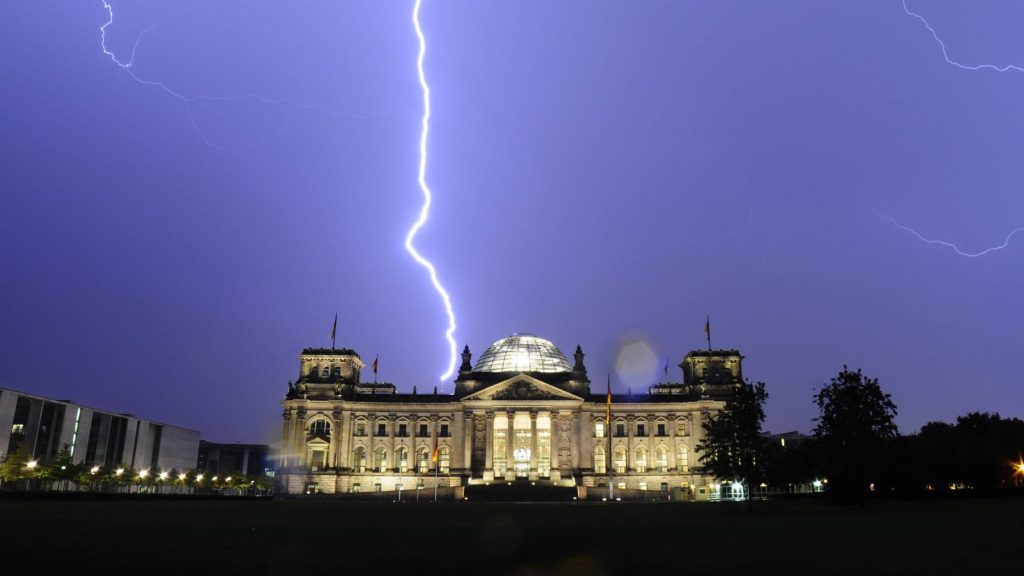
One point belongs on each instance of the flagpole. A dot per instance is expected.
(608, 431)
(436, 466)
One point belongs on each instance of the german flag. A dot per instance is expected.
(433, 458)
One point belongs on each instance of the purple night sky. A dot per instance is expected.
(604, 173)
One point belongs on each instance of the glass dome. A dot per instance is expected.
(522, 353)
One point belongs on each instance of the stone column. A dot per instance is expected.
(286, 438)
(467, 440)
(577, 445)
(345, 440)
(334, 456)
(554, 440)
(630, 446)
(510, 435)
(299, 437)
(489, 443)
(533, 441)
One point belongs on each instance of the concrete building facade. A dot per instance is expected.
(95, 437)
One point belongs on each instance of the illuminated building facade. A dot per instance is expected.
(521, 413)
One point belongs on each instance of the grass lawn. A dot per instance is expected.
(188, 537)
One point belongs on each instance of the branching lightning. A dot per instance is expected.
(950, 61)
(425, 210)
(945, 53)
(128, 67)
(950, 245)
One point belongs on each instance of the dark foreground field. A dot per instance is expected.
(188, 537)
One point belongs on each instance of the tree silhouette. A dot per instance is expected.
(855, 420)
(733, 446)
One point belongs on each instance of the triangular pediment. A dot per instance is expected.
(522, 387)
(317, 441)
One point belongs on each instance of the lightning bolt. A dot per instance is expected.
(425, 210)
(945, 53)
(128, 67)
(950, 245)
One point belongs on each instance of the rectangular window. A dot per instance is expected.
(423, 431)
(360, 429)
(641, 430)
(661, 430)
(621, 485)
(317, 462)
(444, 430)
(620, 430)
(643, 485)
(382, 429)
(402, 433)
(377, 487)
(355, 488)
(599, 429)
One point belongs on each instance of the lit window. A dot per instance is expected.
(355, 488)
(641, 460)
(619, 462)
(444, 460)
(320, 428)
(423, 461)
(403, 460)
(317, 461)
(380, 459)
(643, 485)
(359, 459)
(600, 464)
(683, 458)
(599, 429)
(661, 459)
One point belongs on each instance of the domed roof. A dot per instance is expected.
(522, 353)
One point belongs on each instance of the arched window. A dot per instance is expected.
(380, 459)
(641, 459)
(359, 459)
(444, 459)
(314, 370)
(619, 460)
(661, 459)
(683, 458)
(336, 371)
(320, 428)
(402, 455)
(600, 460)
(326, 372)
(423, 461)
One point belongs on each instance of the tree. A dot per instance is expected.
(855, 420)
(15, 465)
(62, 470)
(734, 447)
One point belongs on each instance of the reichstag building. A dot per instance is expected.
(522, 414)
